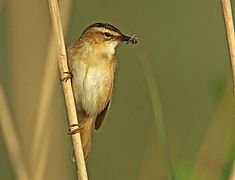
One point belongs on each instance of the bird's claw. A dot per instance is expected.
(67, 77)
(76, 130)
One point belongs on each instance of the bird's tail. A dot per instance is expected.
(86, 133)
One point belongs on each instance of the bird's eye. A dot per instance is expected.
(107, 35)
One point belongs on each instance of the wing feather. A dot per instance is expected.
(101, 116)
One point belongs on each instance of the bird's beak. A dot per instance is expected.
(128, 39)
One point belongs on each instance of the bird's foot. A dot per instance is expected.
(78, 128)
(68, 76)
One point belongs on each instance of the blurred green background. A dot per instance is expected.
(172, 115)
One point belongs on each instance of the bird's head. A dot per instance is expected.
(105, 35)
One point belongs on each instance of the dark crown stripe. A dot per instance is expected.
(106, 26)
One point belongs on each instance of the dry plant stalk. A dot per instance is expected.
(232, 175)
(42, 136)
(68, 93)
(228, 18)
(11, 139)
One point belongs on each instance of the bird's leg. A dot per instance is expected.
(67, 77)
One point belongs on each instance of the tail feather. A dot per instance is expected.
(86, 134)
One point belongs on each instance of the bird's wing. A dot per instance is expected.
(101, 116)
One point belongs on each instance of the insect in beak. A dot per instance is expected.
(127, 39)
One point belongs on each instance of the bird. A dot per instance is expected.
(92, 64)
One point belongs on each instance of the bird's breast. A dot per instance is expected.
(92, 85)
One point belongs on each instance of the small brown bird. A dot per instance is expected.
(92, 66)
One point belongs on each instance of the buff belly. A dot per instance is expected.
(92, 87)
